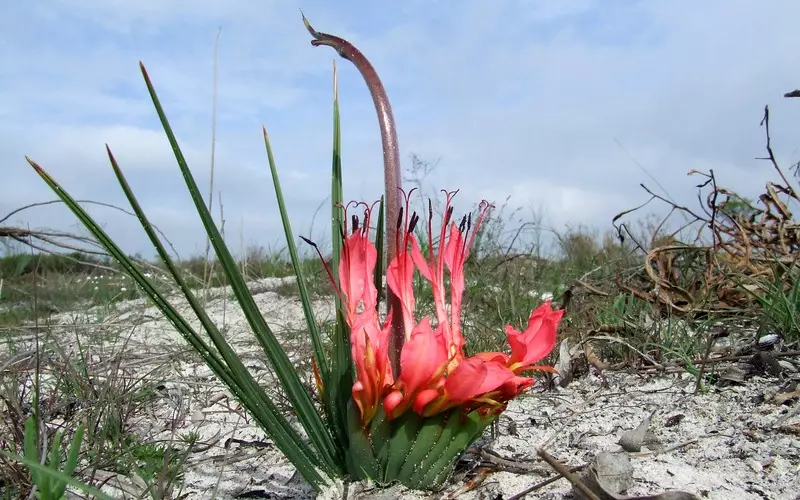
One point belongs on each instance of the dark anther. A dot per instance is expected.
(399, 219)
(469, 221)
(463, 224)
(430, 209)
(448, 216)
(413, 223)
(308, 241)
(355, 224)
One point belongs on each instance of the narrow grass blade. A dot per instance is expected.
(340, 379)
(311, 322)
(379, 234)
(51, 473)
(71, 463)
(31, 451)
(287, 440)
(289, 378)
(243, 382)
(337, 196)
(46, 482)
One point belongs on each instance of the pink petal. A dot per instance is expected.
(537, 340)
(423, 398)
(419, 259)
(400, 278)
(356, 269)
(422, 357)
(391, 402)
(499, 357)
(473, 377)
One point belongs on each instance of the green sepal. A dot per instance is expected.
(405, 430)
(361, 460)
(430, 432)
(459, 433)
(380, 431)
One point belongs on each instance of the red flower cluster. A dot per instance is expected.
(434, 373)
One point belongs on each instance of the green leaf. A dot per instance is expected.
(40, 470)
(405, 430)
(236, 376)
(337, 192)
(459, 433)
(53, 461)
(72, 461)
(241, 383)
(363, 464)
(290, 380)
(430, 432)
(311, 322)
(31, 452)
(380, 431)
(379, 234)
(340, 381)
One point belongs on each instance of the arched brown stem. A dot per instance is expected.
(391, 168)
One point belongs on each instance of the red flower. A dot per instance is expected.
(434, 374)
(369, 339)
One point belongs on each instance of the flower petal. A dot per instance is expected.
(537, 340)
(474, 377)
(400, 278)
(422, 357)
(356, 269)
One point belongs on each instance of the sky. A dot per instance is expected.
(557, 108)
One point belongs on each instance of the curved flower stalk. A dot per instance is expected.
(391, 157)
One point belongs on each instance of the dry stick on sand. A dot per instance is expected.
(209, 267)
(527, 491)
(566, 474)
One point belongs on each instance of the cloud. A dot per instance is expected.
(565, 106)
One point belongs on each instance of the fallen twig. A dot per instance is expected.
(566, 474)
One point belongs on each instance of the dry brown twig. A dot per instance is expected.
(735, 241)
(52, 242)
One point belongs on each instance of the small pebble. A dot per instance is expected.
(755, 465)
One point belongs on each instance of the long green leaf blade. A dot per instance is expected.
(72, 461)
(29, 441)
(311, 322)
(379, 233)
(181, 325)
(40, 469)
(340, 380)
(337, 192)
(252, 395)
(290, 380)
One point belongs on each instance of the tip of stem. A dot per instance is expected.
(308, 25)
(111, 158)
(335, 82)
(34, 165)
(144, 73)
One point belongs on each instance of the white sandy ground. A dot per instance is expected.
(728, 445)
